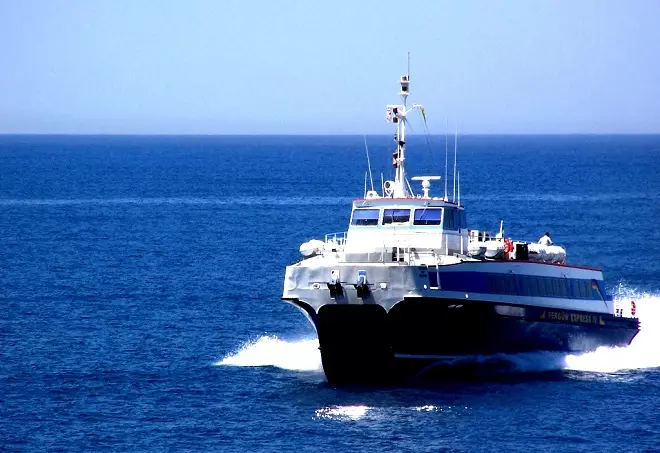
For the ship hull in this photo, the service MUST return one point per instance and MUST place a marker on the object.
(418, 336)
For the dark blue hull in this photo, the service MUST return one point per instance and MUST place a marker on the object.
(364, 343)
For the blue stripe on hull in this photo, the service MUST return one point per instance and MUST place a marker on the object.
(514, 284)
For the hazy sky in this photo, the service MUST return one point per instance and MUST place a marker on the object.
(318, 67)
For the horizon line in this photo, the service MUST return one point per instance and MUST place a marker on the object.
(478, 134)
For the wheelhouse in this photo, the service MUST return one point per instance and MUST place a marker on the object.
(450, 217)
(413, 223)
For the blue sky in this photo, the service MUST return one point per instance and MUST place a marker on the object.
(320, 67)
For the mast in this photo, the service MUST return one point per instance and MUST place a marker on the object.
(400, 179)
(397, 114)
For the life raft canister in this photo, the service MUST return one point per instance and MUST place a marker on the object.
(633, 308)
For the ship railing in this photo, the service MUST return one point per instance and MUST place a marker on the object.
(397, 253)
(411, 253)
(337, 238)
(402, 249)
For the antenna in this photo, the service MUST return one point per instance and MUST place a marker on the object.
(446, 153)
(408, 74)
(366, 148)
(455, 150)
(410, 188)
(382, 184)
(459, 187)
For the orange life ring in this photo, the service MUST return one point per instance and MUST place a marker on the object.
(508, 246)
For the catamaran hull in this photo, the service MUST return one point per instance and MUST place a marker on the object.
(419, 337)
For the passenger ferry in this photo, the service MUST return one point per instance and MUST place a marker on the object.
(409, 287)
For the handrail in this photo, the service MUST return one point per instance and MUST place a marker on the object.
(339, 238)
(400, 244)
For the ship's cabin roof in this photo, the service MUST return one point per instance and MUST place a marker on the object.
(435, 202)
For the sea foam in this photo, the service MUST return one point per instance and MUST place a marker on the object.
(302, 355)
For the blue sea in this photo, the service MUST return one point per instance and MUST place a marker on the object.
(140, 279)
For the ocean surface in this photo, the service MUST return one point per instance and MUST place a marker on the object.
(140, 280)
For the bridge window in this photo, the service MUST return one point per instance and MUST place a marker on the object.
(450, 221)
(396, 216)
(428, 216)
(463, 220)
(365, 217)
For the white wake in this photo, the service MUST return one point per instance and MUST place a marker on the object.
(643, 352)
(300, 355)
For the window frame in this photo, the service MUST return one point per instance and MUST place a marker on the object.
(392, 222)
(422, 211)
(449, 216)
(352, 224)
(462, 222)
